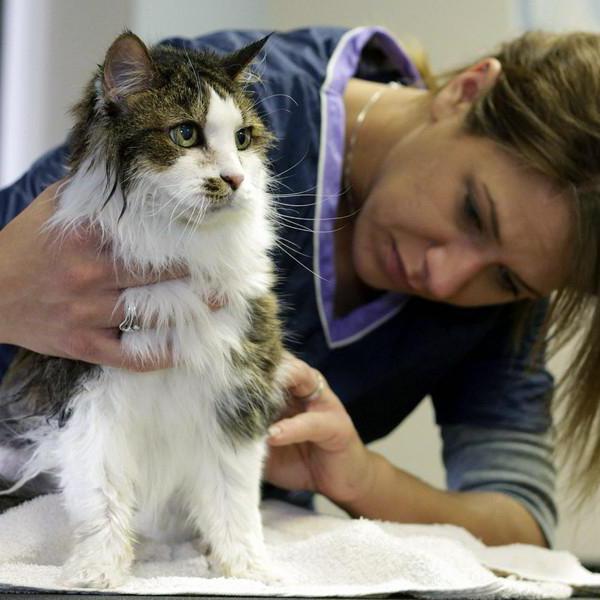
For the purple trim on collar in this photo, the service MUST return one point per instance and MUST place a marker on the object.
(343, 330)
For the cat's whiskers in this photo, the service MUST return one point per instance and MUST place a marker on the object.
(193, 221)
(197, 207)
(283, 249)
(259, 102)
(309, 192)
(275, 110)
(291, 222)
(281, 220)
(289, 246)
(272, 189)
(194, 215)
(337, 218)
(178, 207)
(287, 205)
(163, 202)
(280, 175)
(159, 205)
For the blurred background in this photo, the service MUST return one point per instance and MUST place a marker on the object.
(49, 48)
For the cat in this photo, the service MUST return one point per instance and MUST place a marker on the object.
(168, 163)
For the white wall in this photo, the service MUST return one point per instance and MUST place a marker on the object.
(453, 32)
(50, 48)
(157, 19)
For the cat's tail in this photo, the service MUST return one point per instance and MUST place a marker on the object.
(20, 469)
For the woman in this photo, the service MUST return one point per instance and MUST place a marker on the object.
(417, 231)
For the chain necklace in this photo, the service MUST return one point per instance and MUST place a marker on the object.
(360, 119)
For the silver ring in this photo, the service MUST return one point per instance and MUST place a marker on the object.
(316, 393)
(130, 322)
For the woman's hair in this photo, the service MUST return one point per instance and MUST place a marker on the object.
(544, 109)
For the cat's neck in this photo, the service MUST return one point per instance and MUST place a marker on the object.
(228, 249)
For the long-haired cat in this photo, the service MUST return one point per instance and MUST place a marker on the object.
(168, 162)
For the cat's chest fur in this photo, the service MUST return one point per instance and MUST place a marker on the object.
(164, 431)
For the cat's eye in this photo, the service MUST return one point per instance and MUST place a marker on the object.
(243, 137)
(185, 134)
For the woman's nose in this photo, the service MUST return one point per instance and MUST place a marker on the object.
(452, 266)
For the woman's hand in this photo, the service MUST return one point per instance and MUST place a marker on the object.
(58, 296)
(316, 446)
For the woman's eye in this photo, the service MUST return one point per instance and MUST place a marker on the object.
(243, 137)
(507, 282)
(185, 135)
(471, 212)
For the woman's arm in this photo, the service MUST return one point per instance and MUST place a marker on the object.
(494, 414)
(317, 448)
(392, 494)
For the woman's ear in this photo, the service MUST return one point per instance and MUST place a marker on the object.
(459, 93)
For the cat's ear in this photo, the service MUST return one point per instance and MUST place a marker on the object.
(127, 68)
(235, 64)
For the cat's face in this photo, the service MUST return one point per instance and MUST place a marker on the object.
(182, 137)
(217, 156)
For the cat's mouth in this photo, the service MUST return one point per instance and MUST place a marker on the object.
(216, 202)
(212, 204)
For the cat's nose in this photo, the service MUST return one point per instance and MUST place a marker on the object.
(234, 181)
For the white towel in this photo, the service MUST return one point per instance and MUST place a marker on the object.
(315, 555)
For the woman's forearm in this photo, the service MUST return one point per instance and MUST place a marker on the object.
(395, 495)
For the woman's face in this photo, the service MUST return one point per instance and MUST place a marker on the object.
(453, 218)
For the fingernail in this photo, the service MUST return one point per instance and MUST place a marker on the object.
(274, 430)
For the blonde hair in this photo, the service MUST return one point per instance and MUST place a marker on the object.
(545, 110)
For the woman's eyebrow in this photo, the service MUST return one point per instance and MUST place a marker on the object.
(498, 237)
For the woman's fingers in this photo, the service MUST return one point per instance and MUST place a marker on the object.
(105, 348)
(303, 382)
(326, 424)
(95, 312)
(101, 311)
(317, 427)
(124, 278)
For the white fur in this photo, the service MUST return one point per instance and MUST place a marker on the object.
(142, 455)
(12, 462)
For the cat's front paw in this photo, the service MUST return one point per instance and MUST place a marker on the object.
(92, 575)
(201, 546)
(245, 565)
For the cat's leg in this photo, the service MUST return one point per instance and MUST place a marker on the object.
(98, 495)
(225, 508)
(103, 543)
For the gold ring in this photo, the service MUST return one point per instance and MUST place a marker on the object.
(316, 393)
